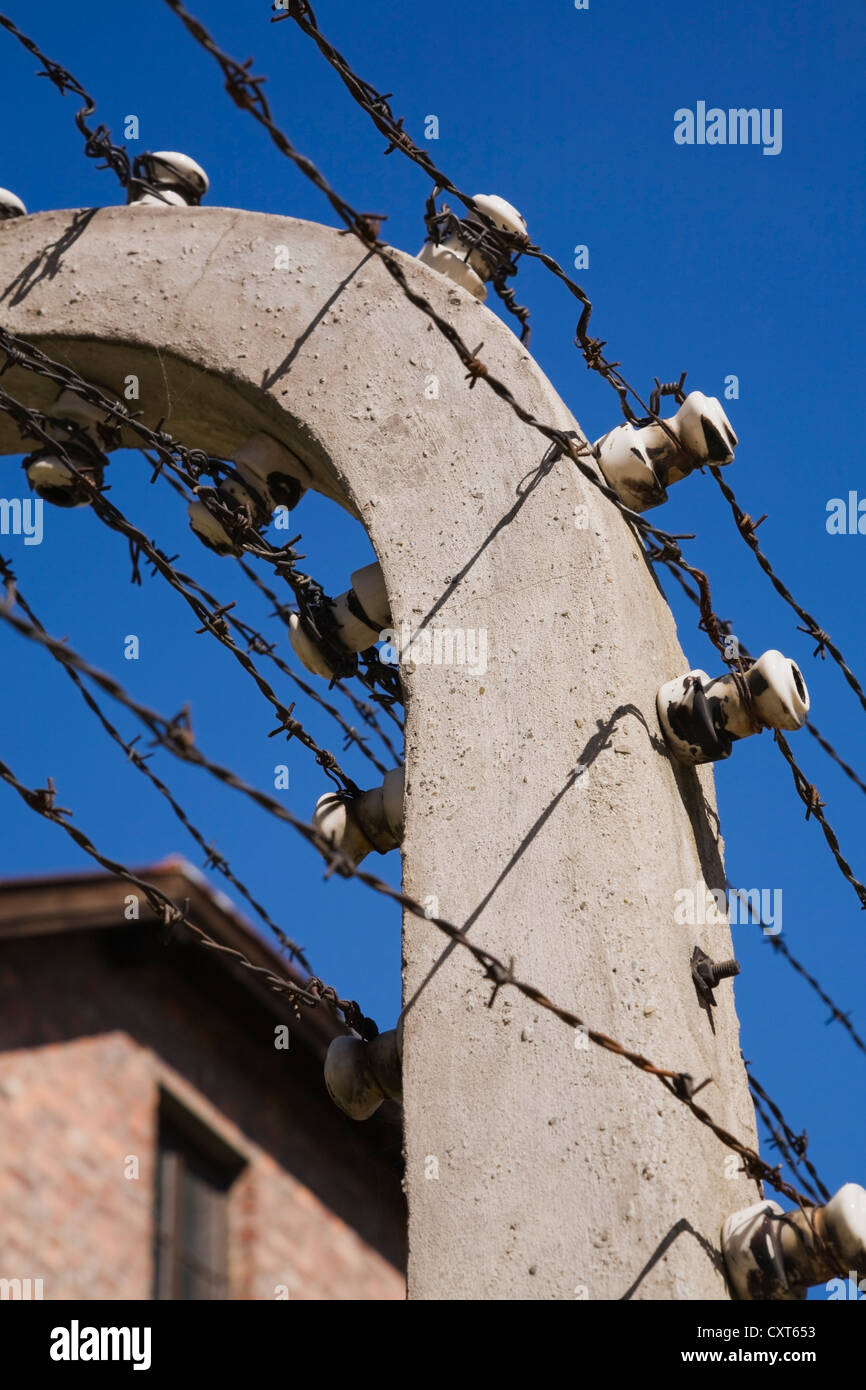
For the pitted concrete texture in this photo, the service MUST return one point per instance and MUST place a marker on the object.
(536, 1168)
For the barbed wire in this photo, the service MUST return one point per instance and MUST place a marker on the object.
(775, 940)
(97, 143)
(213, 622)
(312, 993)
(190, 465)
(258, 644)
(213, 859)
(505, 244)
(806, 790)
(791, 1146)
(836, 1014)
(377, 107)
(384, 704)
(245, 91)
(811, 799)
(747, 529)
(679, 1084)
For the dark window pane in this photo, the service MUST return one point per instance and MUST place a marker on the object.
(192, 1185)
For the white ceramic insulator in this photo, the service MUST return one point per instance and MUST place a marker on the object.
(779, 691)
(372, 821)
(306, 650)
(360, 1076)
(753, 1256)
(263, 462)
(640, 463)
(69, 406)
(780, 1260)
(45, 474)
(237, 490)
(10, 205)
(162, 168)
(368, 588)
(449, 257)
(689, 703)
(704, 431)
(626, 467)
(167, 199)
(209, 529)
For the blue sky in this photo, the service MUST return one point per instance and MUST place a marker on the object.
(718, 259)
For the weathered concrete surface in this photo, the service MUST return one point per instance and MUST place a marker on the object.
(562, 1172)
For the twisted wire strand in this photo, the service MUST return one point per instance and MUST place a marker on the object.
(213, 859)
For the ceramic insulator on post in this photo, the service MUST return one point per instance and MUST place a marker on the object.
(272, 471)
(266, 475)
(181, 182)
(358, 825)
(10, 205)
(702, 718)
(361, 614)
(48, 475)
(776, 1255)
(455, 257)
(360, 1076)
(641, 462)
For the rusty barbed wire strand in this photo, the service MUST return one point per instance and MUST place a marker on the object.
(810, 796)
(812, 728)
(245, 91)
(139, 760)
(311, 993)
(365, 710)
(377, 107)
(258, 644)
(777, 1141)
(336, 862)
(775, 940)
(172, 734)
(806, 790)
(812, 629)
(97, 143)
(679, 1084)
(791, 1145)
(189, 466)
(213, 622)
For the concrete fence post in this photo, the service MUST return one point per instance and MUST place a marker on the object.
(541, 808)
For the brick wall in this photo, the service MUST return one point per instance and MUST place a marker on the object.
(92, 1024)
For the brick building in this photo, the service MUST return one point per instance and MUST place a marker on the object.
(156, 1142)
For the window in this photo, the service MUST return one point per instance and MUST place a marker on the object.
(195, 1172)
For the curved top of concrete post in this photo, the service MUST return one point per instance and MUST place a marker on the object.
(559, 1168)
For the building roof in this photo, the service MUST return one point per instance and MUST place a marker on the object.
(45, 905)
